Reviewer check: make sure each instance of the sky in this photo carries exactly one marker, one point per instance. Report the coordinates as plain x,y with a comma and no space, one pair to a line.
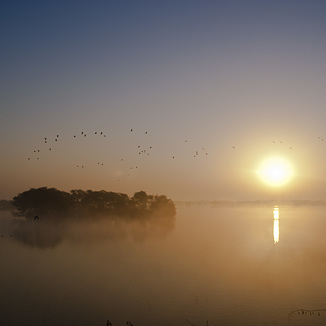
190,97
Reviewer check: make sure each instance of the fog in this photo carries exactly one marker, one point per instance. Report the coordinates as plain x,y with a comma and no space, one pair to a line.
208,264
50,233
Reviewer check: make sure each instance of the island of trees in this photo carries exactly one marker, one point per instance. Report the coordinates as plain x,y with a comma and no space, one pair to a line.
51,203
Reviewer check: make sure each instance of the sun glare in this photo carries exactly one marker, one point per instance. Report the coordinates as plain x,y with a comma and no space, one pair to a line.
275,171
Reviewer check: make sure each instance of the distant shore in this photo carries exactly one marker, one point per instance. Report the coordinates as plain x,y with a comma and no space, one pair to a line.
266,203
6,205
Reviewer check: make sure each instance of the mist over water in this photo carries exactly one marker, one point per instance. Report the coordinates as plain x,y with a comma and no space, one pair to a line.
49,233
215,264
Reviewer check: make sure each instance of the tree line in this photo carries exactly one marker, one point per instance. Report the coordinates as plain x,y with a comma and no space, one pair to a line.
56,204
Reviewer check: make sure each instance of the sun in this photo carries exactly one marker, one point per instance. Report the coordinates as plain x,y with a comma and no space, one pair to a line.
275,171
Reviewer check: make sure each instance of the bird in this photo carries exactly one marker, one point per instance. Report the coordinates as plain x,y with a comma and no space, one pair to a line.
131,129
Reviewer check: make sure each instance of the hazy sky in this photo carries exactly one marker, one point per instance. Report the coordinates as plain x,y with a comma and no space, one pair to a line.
198,76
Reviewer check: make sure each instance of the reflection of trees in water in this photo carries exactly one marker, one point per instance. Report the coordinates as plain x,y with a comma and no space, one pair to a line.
89,215
45,234
49,234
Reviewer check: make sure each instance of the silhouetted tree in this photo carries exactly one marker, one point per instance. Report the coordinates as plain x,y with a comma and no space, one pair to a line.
117,203
79,203
140,215
141,202
78,195
43,201
163,205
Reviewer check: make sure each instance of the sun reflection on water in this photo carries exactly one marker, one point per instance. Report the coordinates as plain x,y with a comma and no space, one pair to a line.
276,227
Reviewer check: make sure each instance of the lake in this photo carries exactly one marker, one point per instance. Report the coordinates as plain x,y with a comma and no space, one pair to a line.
243,265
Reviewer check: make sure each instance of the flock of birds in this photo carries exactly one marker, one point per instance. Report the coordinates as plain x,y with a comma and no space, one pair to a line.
47,140
51,144
127,164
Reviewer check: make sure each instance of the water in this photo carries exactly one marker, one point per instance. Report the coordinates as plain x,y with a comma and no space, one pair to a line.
245,265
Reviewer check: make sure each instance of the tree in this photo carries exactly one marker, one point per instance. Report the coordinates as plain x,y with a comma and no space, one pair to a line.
52,203
43,201
161,204
141,202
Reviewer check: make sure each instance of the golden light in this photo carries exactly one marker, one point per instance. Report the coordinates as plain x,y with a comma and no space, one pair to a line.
275,171
276,227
